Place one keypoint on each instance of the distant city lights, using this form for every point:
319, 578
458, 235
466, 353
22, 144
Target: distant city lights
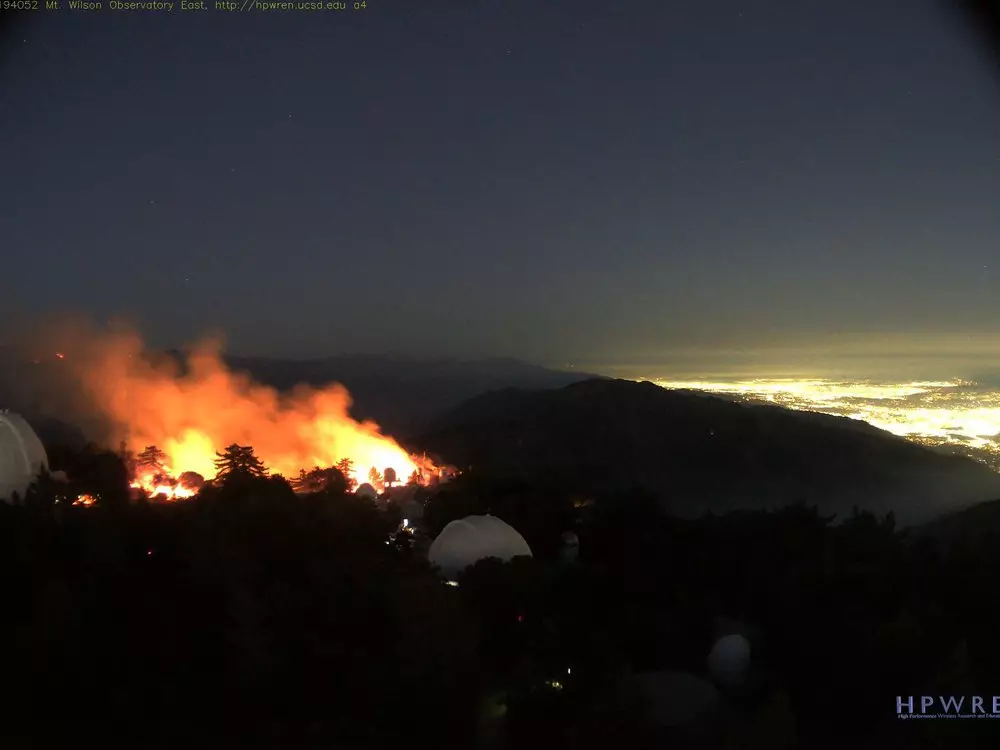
955, 413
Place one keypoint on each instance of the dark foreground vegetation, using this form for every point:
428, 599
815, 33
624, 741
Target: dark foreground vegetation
254, 617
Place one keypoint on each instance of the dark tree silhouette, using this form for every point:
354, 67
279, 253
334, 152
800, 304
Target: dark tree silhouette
346, 467
329, 480
238, 461
191, 480
101, 474
300, 483
221, 619
152, 460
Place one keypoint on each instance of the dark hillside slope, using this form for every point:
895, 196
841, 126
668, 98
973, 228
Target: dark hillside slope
699, 452
404, 394
976, 525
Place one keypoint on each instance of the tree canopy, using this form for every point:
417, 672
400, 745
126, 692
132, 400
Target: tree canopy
237, 462
265, 616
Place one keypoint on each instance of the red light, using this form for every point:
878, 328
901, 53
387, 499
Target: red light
520, 618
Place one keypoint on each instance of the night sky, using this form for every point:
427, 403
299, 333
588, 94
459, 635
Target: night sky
559, 181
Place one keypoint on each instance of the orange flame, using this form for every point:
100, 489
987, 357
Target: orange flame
155, 486
192, 415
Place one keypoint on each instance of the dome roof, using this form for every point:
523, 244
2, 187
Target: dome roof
366, 490
465, 542
22, 455
729, 660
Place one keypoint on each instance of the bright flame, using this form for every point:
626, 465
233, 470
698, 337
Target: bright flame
192, 415
85, 500
154, 485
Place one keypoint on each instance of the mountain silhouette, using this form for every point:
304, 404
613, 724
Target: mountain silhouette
404, 394
697, 452
977, 525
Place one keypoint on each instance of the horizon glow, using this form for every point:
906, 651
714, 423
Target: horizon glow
957, 414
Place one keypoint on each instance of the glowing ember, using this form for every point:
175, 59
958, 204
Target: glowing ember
85, 500
191, 415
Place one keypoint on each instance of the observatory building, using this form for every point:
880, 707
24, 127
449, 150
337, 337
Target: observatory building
367, 491
677, 698
22, 455
467, 541
729, 661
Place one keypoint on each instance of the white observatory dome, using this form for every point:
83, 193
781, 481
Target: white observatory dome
22, 455
467, 541
729, 660
367, 491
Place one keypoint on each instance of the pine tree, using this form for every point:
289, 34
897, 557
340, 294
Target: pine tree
301, 482
346, 466
151, 461
320, 480
238, 461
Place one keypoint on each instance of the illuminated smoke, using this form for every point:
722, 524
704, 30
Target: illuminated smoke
196, 407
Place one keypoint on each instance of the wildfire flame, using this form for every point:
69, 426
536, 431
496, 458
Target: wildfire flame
165, 486
191, 413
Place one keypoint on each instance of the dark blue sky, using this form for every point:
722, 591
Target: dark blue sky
558, 181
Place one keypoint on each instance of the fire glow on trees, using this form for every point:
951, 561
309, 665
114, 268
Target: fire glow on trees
191, 413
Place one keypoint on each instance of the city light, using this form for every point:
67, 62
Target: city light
956, 413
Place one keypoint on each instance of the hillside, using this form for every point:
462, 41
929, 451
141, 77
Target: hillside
697, 452
404, 394
976, 525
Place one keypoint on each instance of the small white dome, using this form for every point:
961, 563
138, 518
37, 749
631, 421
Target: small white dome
729, 660
366, 490
467, 541
22, 455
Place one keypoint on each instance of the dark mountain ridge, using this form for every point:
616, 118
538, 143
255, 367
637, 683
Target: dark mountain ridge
976, 525
404, 394
698, 452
